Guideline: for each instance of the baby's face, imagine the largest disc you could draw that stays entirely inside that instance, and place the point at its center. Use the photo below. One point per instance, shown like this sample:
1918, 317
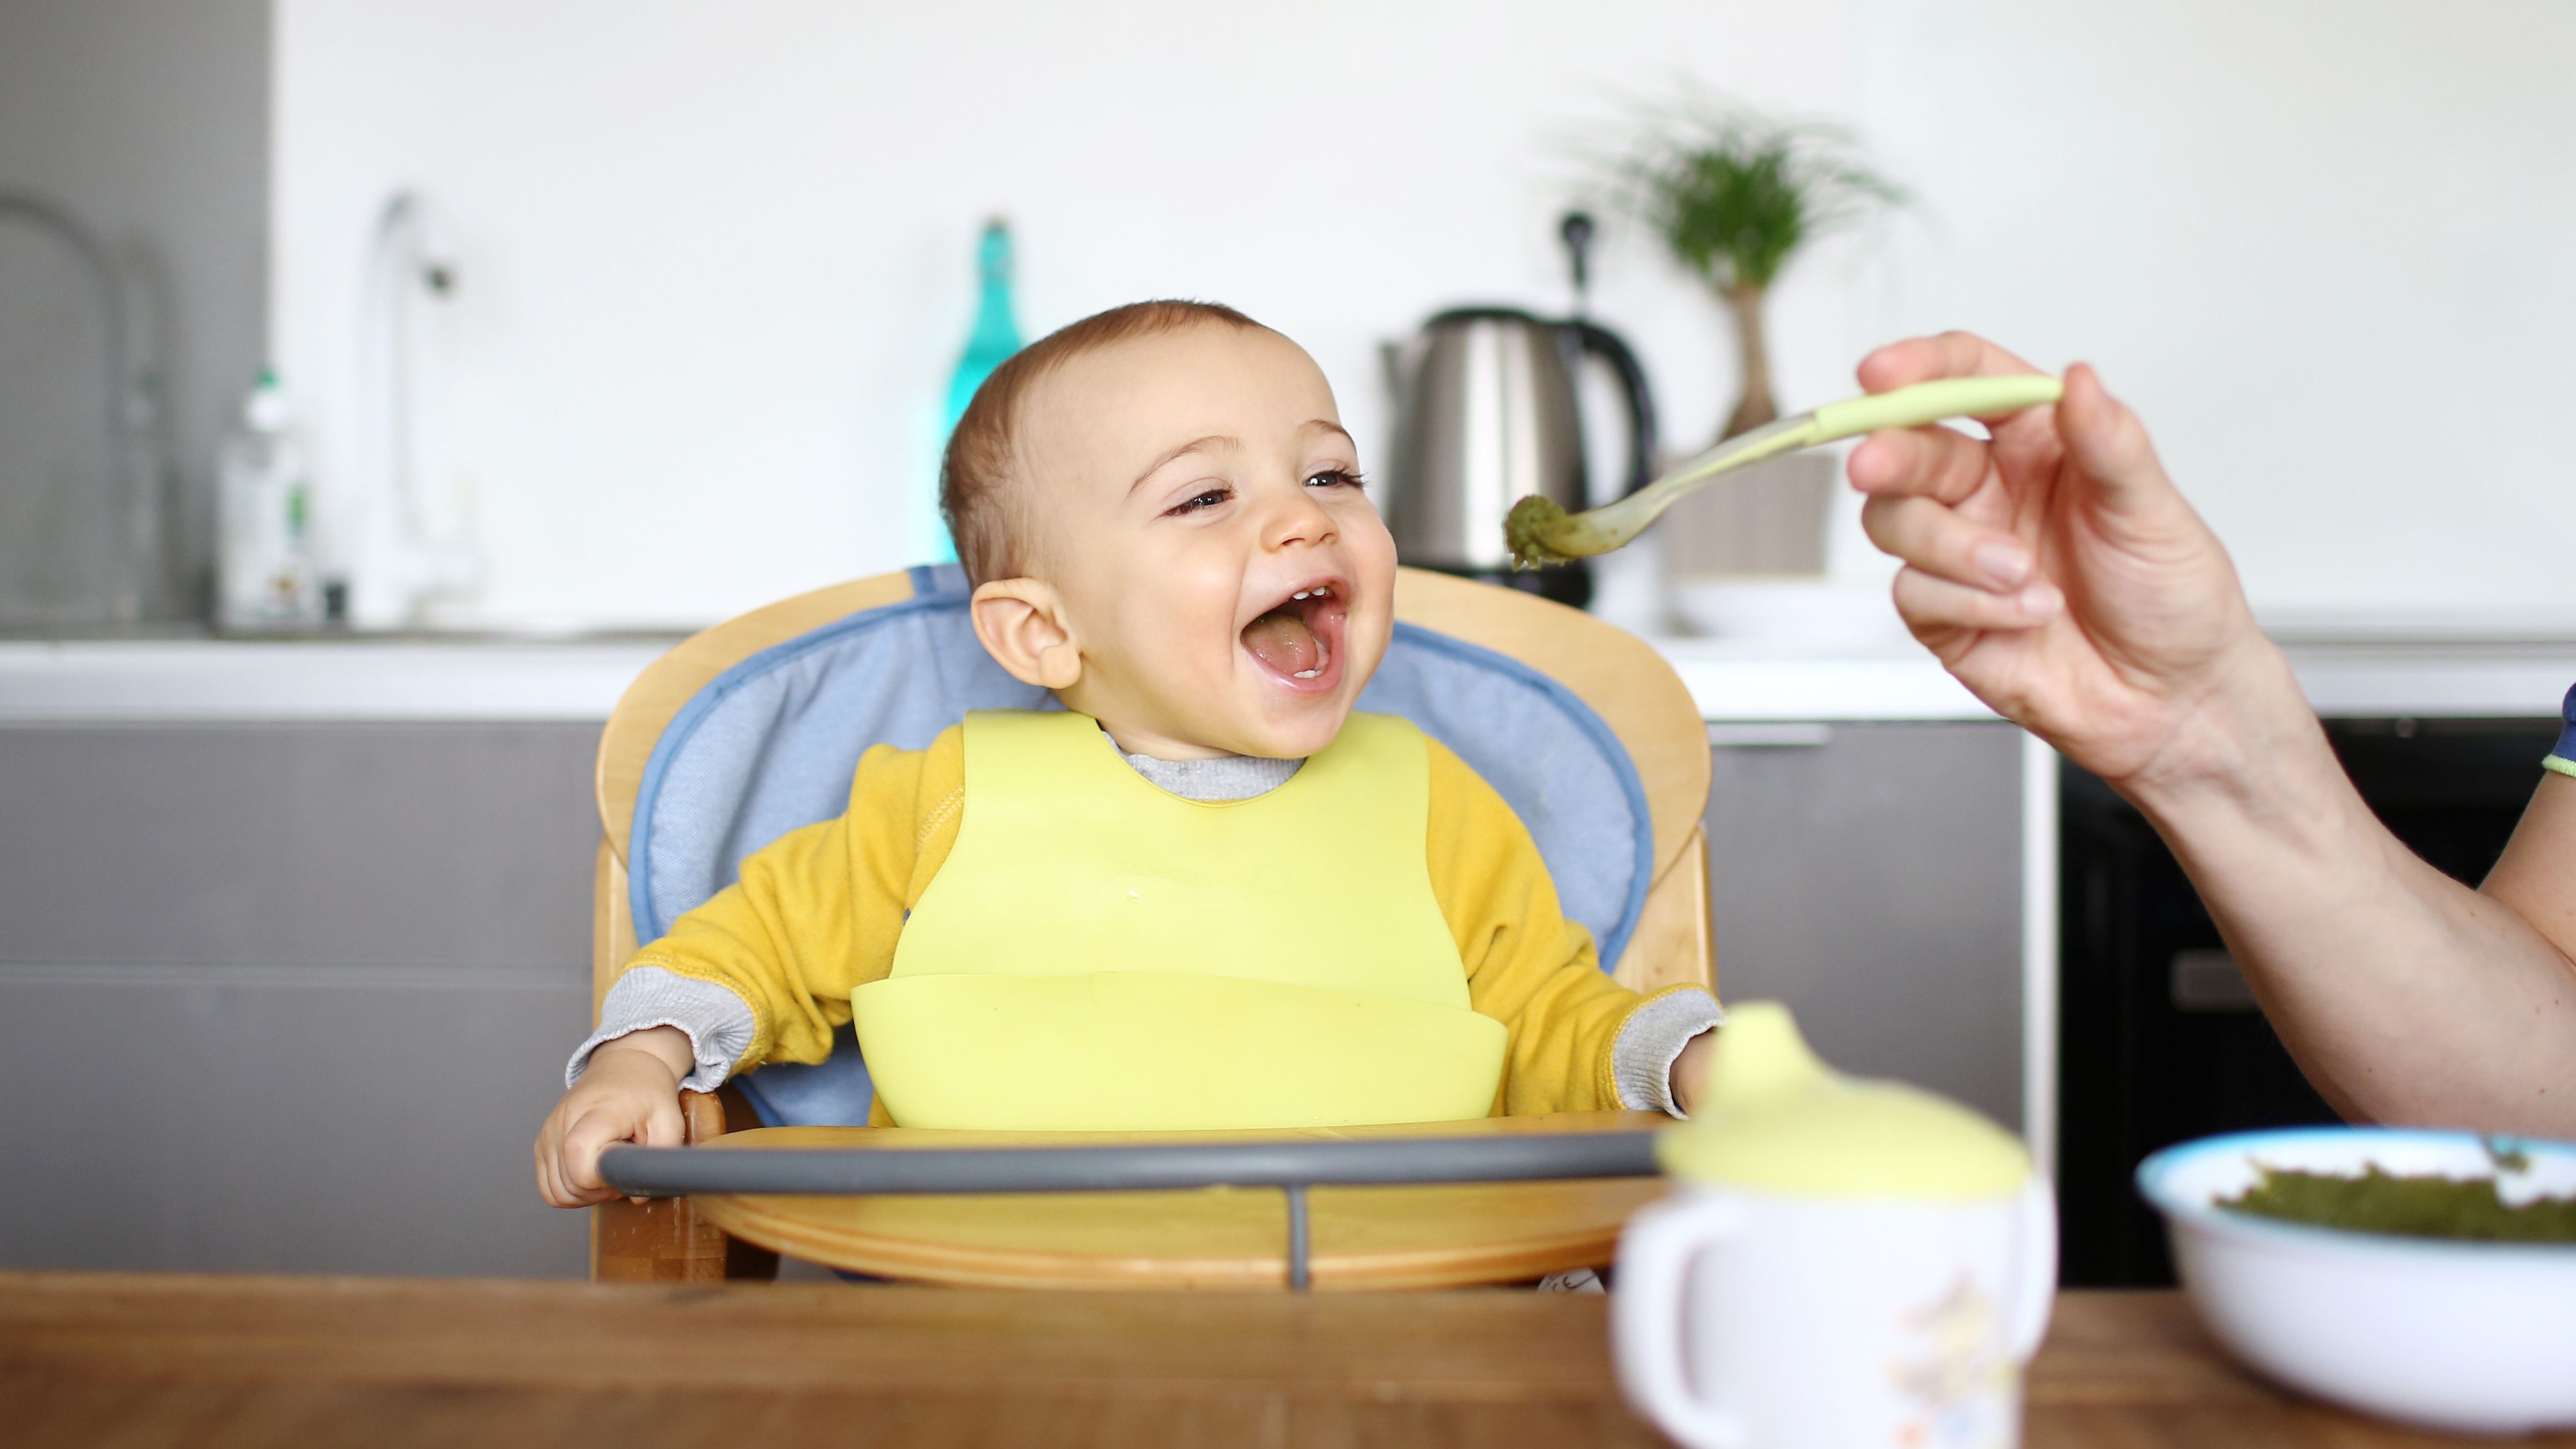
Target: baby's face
1229, 587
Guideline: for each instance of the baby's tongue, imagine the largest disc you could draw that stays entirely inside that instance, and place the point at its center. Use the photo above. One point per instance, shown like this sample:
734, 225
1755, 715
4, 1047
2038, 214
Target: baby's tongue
1281, 640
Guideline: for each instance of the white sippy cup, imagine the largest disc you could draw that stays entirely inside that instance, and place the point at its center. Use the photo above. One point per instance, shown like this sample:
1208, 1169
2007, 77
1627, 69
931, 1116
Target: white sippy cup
1841, 1263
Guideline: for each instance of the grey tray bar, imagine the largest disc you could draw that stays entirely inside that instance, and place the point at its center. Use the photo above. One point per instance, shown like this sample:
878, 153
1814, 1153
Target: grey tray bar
677, 1171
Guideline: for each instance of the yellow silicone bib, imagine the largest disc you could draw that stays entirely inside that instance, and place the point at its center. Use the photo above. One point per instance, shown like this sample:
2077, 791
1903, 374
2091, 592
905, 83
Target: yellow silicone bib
1098, 954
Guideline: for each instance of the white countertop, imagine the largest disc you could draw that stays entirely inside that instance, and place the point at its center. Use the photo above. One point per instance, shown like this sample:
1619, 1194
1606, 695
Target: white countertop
427, 678
233, 680
2351, 679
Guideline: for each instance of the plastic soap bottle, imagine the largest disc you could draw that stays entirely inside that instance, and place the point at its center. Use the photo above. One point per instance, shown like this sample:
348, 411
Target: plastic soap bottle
995, 338
264, 570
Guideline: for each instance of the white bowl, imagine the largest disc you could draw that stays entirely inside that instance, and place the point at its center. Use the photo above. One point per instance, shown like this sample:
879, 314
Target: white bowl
2467, 1336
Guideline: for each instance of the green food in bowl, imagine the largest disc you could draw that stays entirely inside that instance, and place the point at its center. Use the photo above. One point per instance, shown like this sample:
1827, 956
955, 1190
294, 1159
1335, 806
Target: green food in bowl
2409, 1205
2467, 1335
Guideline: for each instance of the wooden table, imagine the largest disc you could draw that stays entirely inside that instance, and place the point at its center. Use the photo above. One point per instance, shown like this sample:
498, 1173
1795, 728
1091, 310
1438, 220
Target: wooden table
98, 1359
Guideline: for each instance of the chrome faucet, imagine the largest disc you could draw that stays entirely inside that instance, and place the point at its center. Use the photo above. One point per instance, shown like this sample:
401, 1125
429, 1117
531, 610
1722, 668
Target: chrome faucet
136, 464
405, 552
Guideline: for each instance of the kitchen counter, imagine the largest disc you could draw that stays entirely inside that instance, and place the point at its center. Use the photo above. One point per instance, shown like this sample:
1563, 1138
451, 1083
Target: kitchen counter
431, 677
425, 678
2457, 679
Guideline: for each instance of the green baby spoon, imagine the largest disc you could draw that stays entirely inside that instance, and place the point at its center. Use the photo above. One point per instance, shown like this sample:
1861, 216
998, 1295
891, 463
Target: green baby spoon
1541, 532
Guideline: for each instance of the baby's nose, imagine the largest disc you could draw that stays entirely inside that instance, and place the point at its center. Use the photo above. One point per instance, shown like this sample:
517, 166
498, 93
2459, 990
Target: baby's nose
1299, 520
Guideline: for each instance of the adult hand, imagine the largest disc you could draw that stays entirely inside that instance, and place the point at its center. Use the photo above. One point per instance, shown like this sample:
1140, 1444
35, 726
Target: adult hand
2059, 574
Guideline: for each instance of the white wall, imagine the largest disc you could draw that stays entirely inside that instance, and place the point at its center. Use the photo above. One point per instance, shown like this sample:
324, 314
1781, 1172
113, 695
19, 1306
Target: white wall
715, 262
716, 259
2324, 245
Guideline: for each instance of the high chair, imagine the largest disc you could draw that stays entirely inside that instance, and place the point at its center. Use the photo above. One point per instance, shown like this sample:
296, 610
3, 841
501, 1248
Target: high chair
753, 728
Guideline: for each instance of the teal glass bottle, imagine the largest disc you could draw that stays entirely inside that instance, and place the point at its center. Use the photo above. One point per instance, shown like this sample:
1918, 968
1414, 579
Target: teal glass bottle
996, 337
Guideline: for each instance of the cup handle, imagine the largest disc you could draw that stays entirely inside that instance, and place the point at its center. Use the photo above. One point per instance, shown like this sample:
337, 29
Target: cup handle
2035, 1294
1656, 1251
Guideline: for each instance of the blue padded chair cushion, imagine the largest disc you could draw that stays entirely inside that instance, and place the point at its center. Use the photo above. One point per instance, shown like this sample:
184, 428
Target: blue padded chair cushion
770, 745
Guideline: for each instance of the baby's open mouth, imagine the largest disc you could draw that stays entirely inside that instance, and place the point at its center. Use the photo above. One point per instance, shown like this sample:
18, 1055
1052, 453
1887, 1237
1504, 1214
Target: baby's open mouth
1296, 638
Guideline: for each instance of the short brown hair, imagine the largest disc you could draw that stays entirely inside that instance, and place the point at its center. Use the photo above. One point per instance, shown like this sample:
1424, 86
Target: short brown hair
978, 494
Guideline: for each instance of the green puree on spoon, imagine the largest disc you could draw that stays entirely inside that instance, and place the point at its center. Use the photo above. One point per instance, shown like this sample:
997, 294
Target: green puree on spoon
1541, 532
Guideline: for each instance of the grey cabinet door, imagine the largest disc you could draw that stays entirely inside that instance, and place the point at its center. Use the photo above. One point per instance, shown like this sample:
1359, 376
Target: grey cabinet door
290, 997
1870, 875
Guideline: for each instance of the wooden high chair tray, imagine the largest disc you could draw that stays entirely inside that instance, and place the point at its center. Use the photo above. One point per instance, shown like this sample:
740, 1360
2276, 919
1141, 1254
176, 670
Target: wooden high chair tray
1427, 1236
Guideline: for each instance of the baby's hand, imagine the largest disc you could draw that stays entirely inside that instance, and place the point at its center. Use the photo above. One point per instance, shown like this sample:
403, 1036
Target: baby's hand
631, 1093
1690, 1071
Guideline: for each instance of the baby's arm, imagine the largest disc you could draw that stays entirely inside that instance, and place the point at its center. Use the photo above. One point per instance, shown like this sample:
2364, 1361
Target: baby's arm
1579, 1041
1689, 1074
762, 971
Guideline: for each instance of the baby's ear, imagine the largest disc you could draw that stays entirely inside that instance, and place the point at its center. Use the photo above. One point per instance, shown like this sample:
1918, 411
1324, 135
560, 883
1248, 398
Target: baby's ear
1023, 626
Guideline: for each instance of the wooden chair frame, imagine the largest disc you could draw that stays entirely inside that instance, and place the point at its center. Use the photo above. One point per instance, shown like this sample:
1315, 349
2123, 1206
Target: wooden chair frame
1618, 675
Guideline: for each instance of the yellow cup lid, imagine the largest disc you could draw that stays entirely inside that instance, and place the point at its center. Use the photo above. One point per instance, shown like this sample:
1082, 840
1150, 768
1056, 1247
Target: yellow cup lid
1776, 1118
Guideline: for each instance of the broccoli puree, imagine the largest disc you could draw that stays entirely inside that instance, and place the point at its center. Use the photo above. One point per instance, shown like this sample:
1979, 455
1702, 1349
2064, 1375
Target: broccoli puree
2408, 1205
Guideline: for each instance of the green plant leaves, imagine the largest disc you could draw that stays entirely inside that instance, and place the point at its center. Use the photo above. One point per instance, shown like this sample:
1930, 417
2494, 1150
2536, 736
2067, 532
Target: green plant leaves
1736, 195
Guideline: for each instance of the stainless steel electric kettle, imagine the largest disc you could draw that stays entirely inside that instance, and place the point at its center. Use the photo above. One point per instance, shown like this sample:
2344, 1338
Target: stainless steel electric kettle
1486, 412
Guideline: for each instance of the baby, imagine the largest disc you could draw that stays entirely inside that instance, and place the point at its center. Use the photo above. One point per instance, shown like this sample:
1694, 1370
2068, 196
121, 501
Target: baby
1248, 905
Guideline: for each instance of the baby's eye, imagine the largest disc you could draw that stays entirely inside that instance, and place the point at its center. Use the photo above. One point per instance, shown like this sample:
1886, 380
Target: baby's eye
1336, 478
1210, 499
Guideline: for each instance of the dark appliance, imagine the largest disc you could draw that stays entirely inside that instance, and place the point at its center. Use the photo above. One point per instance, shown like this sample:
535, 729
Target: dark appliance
2159, 1040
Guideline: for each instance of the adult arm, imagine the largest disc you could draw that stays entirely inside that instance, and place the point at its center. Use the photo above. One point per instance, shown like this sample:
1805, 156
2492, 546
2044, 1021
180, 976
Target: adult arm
2061, 577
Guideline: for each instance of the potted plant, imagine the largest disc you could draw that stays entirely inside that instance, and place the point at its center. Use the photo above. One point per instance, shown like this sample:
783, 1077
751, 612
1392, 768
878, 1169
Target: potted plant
1736, 195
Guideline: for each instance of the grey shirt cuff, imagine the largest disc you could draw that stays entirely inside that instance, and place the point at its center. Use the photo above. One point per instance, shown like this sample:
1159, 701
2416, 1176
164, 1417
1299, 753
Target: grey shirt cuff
1641, 1060
718, 1023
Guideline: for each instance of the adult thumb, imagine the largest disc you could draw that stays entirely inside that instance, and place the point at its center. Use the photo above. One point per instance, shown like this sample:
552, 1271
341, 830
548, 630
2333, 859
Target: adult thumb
2109, 444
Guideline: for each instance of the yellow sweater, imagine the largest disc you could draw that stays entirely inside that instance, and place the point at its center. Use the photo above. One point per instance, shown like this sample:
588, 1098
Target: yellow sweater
817, 911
